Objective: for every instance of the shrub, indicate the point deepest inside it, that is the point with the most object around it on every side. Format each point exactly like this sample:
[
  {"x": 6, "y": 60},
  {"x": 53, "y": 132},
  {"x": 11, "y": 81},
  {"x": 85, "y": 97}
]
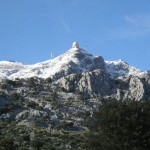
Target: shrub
[
  {"x": 14, "y": 96},
  {"x": 48, "y": 80},
  {"x": 7, "y": 144},
  {"x": 32, "y": 104},
  {"x": 64, "y": 125}
]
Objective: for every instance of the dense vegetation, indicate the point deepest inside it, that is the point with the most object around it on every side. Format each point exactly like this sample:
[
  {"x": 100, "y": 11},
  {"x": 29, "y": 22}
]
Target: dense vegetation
[
  {"x": 115, "y": 125},
  {"x": 14, "y": 137},
  {"x": 120, "y": 125}
]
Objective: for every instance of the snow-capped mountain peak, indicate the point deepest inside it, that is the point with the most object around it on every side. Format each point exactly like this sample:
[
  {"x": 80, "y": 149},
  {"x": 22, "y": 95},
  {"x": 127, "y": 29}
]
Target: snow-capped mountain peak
[
  {"x": 75, "y": 60},
  {"x": 119, "y": 68}
]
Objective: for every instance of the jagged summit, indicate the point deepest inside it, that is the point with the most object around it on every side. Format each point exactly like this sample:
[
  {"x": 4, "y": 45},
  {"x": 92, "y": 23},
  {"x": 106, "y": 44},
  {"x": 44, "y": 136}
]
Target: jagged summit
[{"x": 119, "y": 68}]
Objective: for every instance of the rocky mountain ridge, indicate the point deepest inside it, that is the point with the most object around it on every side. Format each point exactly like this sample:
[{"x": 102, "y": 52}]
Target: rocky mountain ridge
[
  {"x": 78, "y": 71},
  {"x": 75, "y": 60},
  {"x": 64, "y": 91}
]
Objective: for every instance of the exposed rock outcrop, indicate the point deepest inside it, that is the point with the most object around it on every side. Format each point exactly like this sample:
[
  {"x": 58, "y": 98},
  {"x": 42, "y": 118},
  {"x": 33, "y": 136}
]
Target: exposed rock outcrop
[
  {"x": 136, "y": 88},
  {"x": 93, "y": 83},
  {"x": 130, "y": 87}
]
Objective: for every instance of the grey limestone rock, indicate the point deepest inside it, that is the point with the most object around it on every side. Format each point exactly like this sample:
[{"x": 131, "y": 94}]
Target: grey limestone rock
[
  {"x": 93, "y": 83},
  {"x": 130, "y": 87},
  {"x": 136, "y": 88}
]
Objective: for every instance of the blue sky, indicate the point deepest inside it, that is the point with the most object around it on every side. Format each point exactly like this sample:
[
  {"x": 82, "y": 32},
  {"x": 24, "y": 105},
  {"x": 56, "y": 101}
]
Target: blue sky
[{"x": 115, "y": 29}]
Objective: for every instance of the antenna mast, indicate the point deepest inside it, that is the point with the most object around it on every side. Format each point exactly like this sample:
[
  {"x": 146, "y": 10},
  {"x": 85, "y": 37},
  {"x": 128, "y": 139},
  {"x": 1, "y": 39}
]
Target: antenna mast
[{"x": 51, "y": 55}]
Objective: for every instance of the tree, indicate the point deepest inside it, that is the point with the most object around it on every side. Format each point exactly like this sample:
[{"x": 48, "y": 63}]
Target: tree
[
  {"x": 36, "y": 143},
  {"x": 120, "y": 125},
  {"x": 7, "y": 144}
]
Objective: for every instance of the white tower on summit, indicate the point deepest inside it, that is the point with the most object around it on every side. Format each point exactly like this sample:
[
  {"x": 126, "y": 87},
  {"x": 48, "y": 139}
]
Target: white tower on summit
[{"x": 75, "y": 45}]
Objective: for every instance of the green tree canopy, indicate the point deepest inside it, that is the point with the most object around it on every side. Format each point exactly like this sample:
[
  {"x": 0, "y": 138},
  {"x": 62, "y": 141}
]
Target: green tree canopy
[{"x": 120, "y": 125}]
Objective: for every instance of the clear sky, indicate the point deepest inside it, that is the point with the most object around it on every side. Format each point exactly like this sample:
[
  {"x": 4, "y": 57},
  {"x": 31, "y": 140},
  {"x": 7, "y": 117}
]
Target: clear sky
[{"x": 115, "y": 29}]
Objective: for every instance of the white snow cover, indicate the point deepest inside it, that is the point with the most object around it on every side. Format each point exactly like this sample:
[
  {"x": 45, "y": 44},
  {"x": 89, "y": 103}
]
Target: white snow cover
[
  {"x": 120, "y": 68},
  {"x": 50, "y": 68}
]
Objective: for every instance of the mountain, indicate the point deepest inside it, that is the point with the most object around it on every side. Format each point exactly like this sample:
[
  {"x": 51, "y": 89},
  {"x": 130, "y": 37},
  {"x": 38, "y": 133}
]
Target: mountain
[
  {"x": 75, "y": 60},
  {"x": 78, "y": 71},
  {"x": 74, "y": 75},
  {"x": 60, "y": 95}
]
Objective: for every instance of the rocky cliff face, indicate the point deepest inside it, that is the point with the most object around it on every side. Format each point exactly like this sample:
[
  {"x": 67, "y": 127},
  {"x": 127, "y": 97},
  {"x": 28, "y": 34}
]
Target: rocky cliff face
[
  {"x": 131, "y": 87},
  {"x": 91, "y": 83},
  {"x": 97, "y": 83}
]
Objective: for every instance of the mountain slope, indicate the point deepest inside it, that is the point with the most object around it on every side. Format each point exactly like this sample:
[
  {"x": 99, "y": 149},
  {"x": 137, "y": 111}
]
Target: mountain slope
[{"x": 8, "y": 68}]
